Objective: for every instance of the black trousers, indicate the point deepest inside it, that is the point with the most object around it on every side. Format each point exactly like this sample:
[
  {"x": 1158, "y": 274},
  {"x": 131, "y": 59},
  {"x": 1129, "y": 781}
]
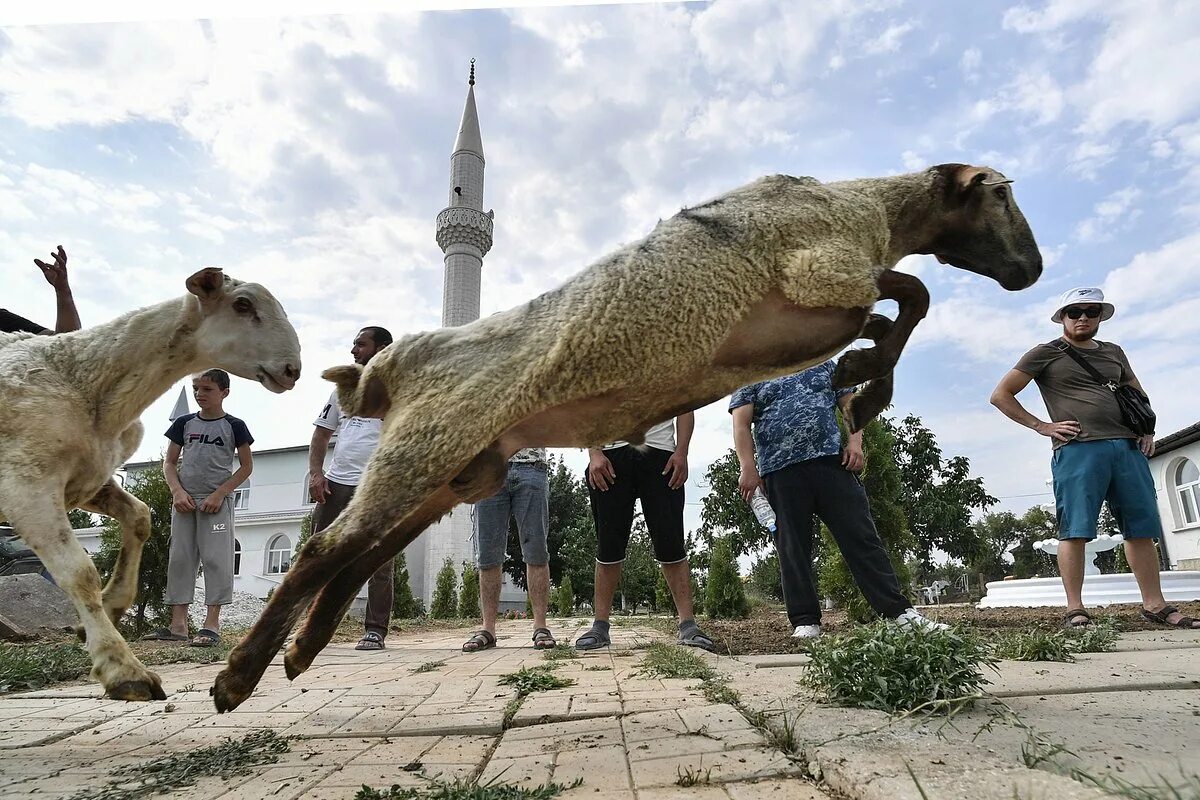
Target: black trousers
[{"x": 824, "y": 488}]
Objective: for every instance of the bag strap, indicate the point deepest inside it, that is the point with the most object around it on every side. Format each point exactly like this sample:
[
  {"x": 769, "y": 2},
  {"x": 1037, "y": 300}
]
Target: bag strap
[{"x": 1063, "y": 347}]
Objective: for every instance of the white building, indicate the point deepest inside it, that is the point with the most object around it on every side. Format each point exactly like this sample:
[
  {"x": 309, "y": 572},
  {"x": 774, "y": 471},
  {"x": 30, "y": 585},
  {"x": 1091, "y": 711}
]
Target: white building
[{"x": 1176, "y": 470}]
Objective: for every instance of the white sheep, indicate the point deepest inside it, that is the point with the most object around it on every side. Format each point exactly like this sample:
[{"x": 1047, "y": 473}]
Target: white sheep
[
  {"x": 766, "y": 280},
  {"x": 71, "y": 406}
]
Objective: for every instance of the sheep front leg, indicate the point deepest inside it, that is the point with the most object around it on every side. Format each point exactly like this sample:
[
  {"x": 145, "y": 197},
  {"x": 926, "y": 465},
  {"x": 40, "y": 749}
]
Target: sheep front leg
[
  {"x": 859, "y": 366},
  {"x": 134, "y": 517},
  {"x": 334, "y": 600},
  {"x": 45, "y": 528},
  {"x": 874, "y": 397}
]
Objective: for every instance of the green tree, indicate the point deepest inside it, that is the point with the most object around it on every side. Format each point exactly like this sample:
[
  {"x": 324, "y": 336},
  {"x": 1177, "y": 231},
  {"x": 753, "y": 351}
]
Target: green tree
[
  {"x": 723, "y": 512},
  {"x": 938, "y": 495},
  {"x": 80, "y": 519},
  {"x": 306, "y": 530},
  {"x": 1035, "y": 524},
  {"x": 765, "y": 580},
  {"x": 151, "y": 488},
  {"x": 570, "y": 533},
  {"x": 404, "y": 604},
  {"x": 468, "y": 597},
  {"x": 445, "y": 599},
  {"x": 726, "y": 595},
  {"x": 664, "y": 603},
  {"x": 640, "y": 570},
  {"x": 565, "y": 597},
  {"x": 699, "y": 595}
]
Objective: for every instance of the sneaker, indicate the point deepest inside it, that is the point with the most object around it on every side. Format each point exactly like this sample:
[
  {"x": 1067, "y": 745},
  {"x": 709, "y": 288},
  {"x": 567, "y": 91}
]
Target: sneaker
[
  {"x": 806, "y": 632},
  {"x": 912, "y": 620}
]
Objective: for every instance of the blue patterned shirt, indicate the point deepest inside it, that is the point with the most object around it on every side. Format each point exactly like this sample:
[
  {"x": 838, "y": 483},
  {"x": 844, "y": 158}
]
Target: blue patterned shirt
[{"x": 794, "y": 417}]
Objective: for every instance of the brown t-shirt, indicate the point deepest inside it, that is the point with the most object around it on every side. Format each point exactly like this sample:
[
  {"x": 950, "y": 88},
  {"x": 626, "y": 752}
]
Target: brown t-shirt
[{"x": 1071, "y": 393}]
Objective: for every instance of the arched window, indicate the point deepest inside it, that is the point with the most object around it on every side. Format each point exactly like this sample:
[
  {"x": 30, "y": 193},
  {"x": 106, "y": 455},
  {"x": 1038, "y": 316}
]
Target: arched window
[
  {"x": 279, "y": 555},
  {"x": 1187, "y": 489},
  {"x": 237, "y": 557}
]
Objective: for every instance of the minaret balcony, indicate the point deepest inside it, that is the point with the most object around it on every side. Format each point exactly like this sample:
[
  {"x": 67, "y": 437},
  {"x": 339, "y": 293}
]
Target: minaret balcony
[{"x": 462, "y": 225}]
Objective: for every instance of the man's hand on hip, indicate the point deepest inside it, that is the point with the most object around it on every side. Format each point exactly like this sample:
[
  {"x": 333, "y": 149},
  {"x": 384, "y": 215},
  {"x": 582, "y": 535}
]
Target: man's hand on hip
[
  {"x": 1063, "y": 431},
  {"x": 676, "y": 470},
  {"x": 318, "y": 487},
  {"x": 852, "y": 457}
]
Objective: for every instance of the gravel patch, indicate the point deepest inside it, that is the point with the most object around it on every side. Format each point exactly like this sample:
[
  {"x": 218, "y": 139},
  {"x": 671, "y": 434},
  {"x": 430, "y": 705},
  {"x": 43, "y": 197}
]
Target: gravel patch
[{"x": 243, "y": 612}]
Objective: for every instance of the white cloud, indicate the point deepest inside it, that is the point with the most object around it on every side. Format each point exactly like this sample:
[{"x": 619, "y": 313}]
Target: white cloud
[
  {"x": 890, "y": 40},
  {"x": 1109, "y": 214},
  {"x": 970, "y": 62}
]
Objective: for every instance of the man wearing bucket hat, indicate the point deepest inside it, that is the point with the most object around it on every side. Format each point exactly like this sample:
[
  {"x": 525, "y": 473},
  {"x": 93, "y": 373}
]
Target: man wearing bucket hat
[{"x": 1097, "y": 455}]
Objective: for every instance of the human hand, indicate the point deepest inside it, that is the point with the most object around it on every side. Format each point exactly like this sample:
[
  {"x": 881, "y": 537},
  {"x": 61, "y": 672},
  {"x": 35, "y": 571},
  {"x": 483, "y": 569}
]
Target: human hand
[
  {"x": 676, "y": 469},
  {"x": 1146, "y": 444},
  {"x": 56, "y": 273},
  {"x": 600, "y": 472},
  {"x": 748, "y": 481},
  {"x": 852, "y": 457},
  {"x": 318, "y": 487},
  {"x": 1063, "y": 431},
  {"x": 212, "y": 503},
  {"x": 182, "y": 501}
]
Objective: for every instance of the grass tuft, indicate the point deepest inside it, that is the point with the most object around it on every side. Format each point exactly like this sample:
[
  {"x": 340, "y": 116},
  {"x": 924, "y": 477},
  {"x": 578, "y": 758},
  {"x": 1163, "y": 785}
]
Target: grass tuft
[
  {"x": 34, "y": 666},
  {"x": 672, "y": 661},
  {"x": 1036, "y": 644},
  {"x": 889, "y": 668},
  {"x": 428, "y": 666},
  {"x": 1099, "y": 637},
  {"x": 560, "y": 652},
  {"x": 466, "y": 789},
  {"x": 536, "y": 679}
]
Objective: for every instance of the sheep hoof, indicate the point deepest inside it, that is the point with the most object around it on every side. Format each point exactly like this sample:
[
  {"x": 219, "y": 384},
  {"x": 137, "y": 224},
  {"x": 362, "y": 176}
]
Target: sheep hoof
[
  {"x": 869, "y": 403},
  {"x": 295, "y": 662},
  {"x": 81, "y": 633},
  {"x": 138, "y": 690},
  {"x": 856, "y": 367},
  {"x": 229, "y": 691}
]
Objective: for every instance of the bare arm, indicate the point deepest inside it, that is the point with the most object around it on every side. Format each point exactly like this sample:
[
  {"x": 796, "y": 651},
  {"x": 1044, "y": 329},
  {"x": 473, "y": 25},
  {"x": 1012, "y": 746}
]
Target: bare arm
[
  {"x": 676, "y": 469},
  {"x": 853, "y": 457},
  {"x": 1004, "y": 397},
  {"x": 56, "y": 276},
  {"x": 318, "y": 446},
  {"x": 181, "y": 500},
  {"x": 743, "y": 445}
]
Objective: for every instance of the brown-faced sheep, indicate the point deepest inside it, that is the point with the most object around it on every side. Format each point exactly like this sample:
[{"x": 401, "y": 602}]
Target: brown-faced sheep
[
  {"x": 71, "y": 406},
  {"x": 766, "y": 280}
]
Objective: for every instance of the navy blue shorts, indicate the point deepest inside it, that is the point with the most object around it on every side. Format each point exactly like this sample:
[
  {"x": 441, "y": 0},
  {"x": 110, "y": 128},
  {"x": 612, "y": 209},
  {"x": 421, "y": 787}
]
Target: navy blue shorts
[{"x": 1088, "y": 473}]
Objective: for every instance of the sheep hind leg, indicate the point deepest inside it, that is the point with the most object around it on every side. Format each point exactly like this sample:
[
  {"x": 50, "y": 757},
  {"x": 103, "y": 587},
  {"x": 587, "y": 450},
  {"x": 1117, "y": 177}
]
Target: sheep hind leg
[
  {"x": 332, "y": 603},
  {"x": 875, "y": 396},
  {"x": 134, "y": 517},
  {"x": 43, "y": 525},
  {"x": 859, "y": 366}
]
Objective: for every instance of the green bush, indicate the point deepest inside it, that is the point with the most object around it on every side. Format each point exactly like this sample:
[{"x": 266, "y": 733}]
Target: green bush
[
  {"x": 1099, "y": 637},
  {"x": 404, "y": 604},
  {"x": 445, "y": 599},
  {"x": 1037, "y": 644},
  {"x": 565, "y": 597},
  {"x": 699, "y": 593},
  {"x": 886, "y": 667},
  {"x": 468, "y": 596},
  {"x": 765, "y": 580},
  {"x": 726, "y": 595},
  {"x": 664, "y": 603}
]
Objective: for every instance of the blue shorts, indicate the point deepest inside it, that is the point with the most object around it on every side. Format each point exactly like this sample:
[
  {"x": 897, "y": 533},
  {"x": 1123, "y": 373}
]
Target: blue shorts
[
  {"x": 1088, "y": 473},
  {"x": 525, "y": 497}
]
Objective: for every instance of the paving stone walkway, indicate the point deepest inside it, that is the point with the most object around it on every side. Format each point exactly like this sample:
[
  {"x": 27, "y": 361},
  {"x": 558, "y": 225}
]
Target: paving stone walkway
[{"x": 371, "y": 718}]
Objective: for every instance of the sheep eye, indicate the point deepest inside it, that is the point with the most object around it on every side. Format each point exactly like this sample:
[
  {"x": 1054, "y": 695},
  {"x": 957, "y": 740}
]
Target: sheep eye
[{"x": 243, "y": 306}]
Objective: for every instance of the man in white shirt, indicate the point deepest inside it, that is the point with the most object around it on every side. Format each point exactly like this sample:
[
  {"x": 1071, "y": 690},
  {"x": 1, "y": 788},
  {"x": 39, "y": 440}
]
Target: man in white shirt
[{"x": 332, "y": 488}]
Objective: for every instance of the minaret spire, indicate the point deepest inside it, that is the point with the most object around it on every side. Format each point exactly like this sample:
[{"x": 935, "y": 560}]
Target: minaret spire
[{"x": 471, "y": 82}]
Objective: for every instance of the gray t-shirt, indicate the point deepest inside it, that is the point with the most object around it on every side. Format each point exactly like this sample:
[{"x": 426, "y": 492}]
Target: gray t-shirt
[
  {"x": 209, "y": 448},
  {"x": 1070, "y": 393}
]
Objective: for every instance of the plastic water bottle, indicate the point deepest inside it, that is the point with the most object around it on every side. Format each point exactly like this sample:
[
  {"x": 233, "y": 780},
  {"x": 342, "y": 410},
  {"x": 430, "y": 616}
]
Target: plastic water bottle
[{"x": 762, "y": 509}]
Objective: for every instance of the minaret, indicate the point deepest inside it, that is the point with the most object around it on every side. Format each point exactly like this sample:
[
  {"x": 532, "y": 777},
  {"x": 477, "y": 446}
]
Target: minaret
[{"x": 464, "y": 231}]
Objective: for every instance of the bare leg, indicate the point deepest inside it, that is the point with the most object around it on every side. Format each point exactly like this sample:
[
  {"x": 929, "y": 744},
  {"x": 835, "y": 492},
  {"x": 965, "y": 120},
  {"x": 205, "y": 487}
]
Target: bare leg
[
  {"x": 859, "y": 366},
  {"x": 537, "y": 578},
  {"x": 1070, "y": 566},
  {"x": 1143, "y": 561},
  {"x": 607, "y": 578},
  {"x": 179, "y": 619},
  {"x": 212, "y": 619},
  {"x": 679, "y": 581},
  {"x": 489, "y": 593},
  {"x": 134, "y": 517}
]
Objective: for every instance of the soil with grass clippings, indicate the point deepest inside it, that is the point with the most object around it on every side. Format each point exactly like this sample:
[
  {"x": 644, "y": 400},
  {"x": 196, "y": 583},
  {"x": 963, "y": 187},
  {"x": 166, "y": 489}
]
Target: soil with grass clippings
[{"x": 767, "y": 631}]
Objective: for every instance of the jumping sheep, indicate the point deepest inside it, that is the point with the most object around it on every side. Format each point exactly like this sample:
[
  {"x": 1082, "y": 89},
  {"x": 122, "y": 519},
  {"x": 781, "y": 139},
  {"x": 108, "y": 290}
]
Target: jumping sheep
[
  {"x": 72, "y": 404},
  {"x": 766, "y": 280}
]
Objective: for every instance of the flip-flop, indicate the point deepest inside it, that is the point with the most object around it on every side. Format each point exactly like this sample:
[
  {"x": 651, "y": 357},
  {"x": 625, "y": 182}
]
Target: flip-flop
[
  {"x": 206, "y": 637},
  {"x": 543, "y": 639},
  {"x": 1069, "y": 619},
  {"x": 480, "y": 640},
  {"x": 1185, "y": 622},
  {"x": 698, "y": 639},
  {"x": 592, "y": 639},
  {"x": 371, "y": 640},
  {"x": 164, "y": 635}
]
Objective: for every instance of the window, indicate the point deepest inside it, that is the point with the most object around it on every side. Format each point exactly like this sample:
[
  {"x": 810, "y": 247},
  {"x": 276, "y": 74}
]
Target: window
[
  {"x": 241, "y": 498},
  {"x": 1187, "y": 490},
  {"x": 237, "y": 557},
  {"x": 305, "y": 491},
  {"x": 279, "y": 555}
]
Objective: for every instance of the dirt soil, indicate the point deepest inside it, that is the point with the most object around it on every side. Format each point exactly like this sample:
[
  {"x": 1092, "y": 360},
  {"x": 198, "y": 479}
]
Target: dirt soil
[{"x": 767, "y": 631}]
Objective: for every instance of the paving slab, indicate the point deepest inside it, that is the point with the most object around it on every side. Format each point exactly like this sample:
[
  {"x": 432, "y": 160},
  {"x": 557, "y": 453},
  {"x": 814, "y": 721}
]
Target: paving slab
[{"x": 1173, "y": 668}]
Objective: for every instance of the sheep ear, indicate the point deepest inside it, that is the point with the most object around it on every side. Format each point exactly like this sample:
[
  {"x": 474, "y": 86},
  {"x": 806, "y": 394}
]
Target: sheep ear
[
  {"x": 208, "y": 283},
  {"x": 969, "y": 177}
]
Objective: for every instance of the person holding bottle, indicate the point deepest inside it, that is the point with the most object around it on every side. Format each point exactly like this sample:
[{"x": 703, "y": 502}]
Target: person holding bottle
[{"x": 803, "y": 470}]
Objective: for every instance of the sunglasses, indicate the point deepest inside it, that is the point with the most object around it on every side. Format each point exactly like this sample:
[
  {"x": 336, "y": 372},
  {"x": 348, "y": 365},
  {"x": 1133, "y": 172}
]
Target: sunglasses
[{"x": 1075, "y": 312}]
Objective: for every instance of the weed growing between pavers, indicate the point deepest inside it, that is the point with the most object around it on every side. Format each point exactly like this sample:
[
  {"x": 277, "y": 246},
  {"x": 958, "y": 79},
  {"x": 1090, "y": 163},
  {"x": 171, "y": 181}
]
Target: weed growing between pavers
[
  {"x": 1035, "y": 645},
  {"x": 1095, "y": 638},
  {"x": 428, "y": 666},
  {"x": 560, "y": 652},
  {"x": 229, "y": 759},
  {"x": 535, "y": 679},
  {"x": 471, "y": 789},
  {"x": 693, "y": 777},
  {"x": 889, "y": 668},
  {"x": 672, "y": 661},
  {"x": 32, "y": 666}
]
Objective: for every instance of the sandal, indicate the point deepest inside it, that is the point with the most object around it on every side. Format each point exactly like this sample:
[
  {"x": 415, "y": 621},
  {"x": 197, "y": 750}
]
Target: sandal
[
  {"x": 592, "y": 639},
  {"x": 543, "y": 639},
  {"x": 698, "y": 639},
  {"x": 1185, "y": 622},
  {"x": 481, "y": 640},
  {"x": 1069, "y": 619},
  {"x": 164, "y": 635},
  {"x": 371, "y": 640},
  {"x": 206, "y": 637}
]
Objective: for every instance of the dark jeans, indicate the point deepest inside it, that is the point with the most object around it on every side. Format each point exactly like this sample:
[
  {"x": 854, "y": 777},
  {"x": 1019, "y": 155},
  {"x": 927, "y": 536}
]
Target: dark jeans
[
  {"x": 380, "y": 590},
  {"x": 822, "y": 486}
]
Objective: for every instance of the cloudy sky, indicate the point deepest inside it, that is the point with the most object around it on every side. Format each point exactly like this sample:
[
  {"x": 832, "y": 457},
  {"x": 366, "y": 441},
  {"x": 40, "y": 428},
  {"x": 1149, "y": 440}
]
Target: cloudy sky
[{"x": 311, "y": 154}]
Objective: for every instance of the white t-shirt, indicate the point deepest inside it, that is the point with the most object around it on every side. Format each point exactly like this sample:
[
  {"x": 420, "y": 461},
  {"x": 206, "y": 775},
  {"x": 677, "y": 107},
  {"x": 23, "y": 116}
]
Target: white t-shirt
[
  {"x": 661, "y": 436},
  {"x": 357, "y": 438}
]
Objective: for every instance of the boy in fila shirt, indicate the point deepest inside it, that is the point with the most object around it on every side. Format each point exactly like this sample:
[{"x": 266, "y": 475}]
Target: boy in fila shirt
[{"x": 202, "y": 521}]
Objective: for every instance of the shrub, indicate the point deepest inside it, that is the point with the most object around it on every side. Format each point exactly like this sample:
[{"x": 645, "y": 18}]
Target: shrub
[
  {"x": 565, "y": 597},
  {"x": 445, "y": 600},
  {"x": 726, "y": 595},
  {"x": 886, "y": 667},
  {"x": 765, "y": 580},
  {"x": 1099, "y": 637},
  {"x": 468, "y": 598},
  {"x": 699, "y": 594},
  {"x": 664, "y": 603},
  {"x": 1035, "y": 645},
  {"x": 404, "y": 604}
]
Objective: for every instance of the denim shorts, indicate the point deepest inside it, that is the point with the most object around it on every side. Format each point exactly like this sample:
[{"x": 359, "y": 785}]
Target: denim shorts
[
  {"x": 525, "y": 497},
  {"x": 1088, "y": 473}
]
